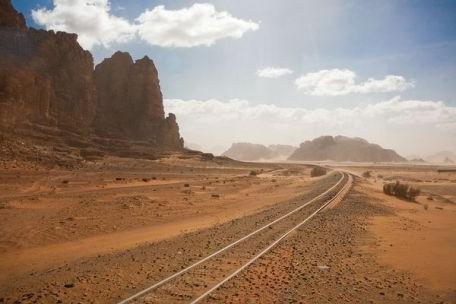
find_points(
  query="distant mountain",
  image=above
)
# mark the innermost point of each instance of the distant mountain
(255, 152)
(443, 157)
(341, 148)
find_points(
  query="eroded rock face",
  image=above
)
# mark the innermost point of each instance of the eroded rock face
(45, 78)
(130, 102)
(48, 83)
(9, 17)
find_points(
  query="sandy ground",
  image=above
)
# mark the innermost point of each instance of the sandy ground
(419, 238)
(99, 233)
(54, 217)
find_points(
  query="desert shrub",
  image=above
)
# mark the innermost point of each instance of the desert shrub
(317, 171)
(207, 156)
(253, 173)
(366, 174)
(403, 191)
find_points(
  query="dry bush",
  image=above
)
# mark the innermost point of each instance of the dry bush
(253, 173)
(366, 174)
(317, 171)
(403, 191)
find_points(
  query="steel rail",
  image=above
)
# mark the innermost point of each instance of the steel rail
(167, 279)
(272, 245)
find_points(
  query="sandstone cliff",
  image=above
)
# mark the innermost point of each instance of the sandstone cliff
(50, 90)
(130, 102)
(9, 18)
(341, 148)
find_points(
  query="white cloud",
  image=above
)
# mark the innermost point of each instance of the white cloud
(271, 72)
(200, 24)
(409, 125)
(338, 82)
(90, 19)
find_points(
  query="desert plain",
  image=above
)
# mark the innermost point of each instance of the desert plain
(99, 231)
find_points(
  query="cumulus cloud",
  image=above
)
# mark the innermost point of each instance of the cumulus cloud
(90, 19)
(405, 124)
(200, 24)
(338, 82)
(271, 72)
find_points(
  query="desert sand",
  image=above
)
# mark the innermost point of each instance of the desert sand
(109, 228)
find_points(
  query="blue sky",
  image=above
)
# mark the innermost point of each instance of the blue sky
(414, 40)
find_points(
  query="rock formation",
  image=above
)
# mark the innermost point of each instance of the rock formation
(341, 148)
(9, 18)
(45, 77)
(49, 90)
(130, 103)
(256, 152)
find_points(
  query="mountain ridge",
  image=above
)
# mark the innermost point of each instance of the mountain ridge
(342, 148)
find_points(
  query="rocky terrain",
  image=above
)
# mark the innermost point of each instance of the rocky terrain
(51, 94)
(102, 232)
(257, 152)
(341, 148)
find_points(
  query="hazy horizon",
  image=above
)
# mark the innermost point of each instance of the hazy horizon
(234, 71)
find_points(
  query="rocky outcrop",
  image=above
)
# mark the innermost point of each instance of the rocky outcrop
(257, 152)
(10, 18)
(45, 78)
(49, 89)
(130, 102)
(341, 148)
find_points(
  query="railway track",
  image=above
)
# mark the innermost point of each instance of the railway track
(197, 281)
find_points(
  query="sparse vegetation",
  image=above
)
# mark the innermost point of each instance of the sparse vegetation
(253, 173)
(366, 174)
(317, 171)
(404, 191)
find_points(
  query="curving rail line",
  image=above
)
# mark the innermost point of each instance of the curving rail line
(338, 196)
(181, 272)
